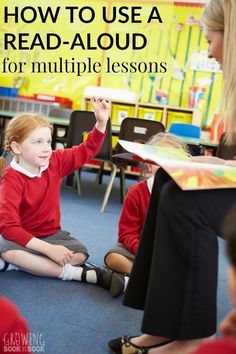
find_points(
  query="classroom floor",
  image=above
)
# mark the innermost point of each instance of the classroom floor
(76, 318)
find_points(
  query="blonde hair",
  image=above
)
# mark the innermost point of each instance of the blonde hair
(19, 128)
(169, 139)
(220, 15)
(163, 139)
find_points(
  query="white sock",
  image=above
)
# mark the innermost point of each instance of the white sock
(2, 263)
(91, 276)
(126, 283)
(70, 272)
(10, 266)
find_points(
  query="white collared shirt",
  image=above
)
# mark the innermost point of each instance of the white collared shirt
(14, 164)
(150, 183)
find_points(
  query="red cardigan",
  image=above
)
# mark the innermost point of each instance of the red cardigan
(133, 216)
(13, 329)
(30, 207)
(221, 346)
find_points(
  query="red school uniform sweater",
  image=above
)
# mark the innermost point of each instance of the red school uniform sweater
(133, 216)
(224, 345)
(13, 329)
(30, 207)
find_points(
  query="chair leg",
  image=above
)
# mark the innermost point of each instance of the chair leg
(77, 176)
(109, 187)
(100, 174)
(122, 184)
(70, 179)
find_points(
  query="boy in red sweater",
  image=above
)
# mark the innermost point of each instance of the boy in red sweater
(120, 258)
(32, 238)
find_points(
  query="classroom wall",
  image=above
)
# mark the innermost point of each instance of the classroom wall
(175, 42)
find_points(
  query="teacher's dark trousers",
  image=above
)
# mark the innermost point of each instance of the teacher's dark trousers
(174, 277)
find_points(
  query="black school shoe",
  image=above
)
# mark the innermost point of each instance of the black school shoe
(111, 281)
(117, 284)
(123, 345)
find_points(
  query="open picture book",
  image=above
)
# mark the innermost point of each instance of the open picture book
(187, 174)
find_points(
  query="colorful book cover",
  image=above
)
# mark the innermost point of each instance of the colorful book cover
(187, 174)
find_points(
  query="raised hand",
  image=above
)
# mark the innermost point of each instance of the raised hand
(102, 110)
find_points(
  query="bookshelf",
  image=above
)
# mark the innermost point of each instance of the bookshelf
(163, 113)
(26, 105)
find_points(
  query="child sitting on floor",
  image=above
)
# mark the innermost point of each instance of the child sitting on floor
(120, 258)
(32, 238)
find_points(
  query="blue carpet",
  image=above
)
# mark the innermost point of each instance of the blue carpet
(76, 318)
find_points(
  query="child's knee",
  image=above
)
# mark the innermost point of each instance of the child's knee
(9, 256)
(111, 260)
(108, 259)
(79, 258)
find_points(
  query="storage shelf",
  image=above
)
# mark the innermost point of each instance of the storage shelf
(26, 105)
(163, 113)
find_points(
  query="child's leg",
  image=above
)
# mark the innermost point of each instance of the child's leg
(121, 265)
(78, 258)
(43, 266)
(118, 263)
(33, 263)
